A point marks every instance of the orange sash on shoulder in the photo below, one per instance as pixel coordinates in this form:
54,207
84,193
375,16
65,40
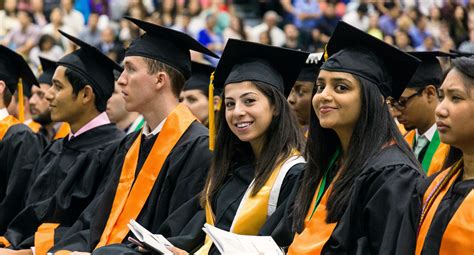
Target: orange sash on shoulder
316,231
457,238
35,126
44,238
131,197
63,131
6,123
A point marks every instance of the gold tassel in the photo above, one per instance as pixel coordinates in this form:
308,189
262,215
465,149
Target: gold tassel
21,106
326,55
212,125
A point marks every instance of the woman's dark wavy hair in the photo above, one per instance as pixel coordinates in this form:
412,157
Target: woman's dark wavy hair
465,67
281,138
374,129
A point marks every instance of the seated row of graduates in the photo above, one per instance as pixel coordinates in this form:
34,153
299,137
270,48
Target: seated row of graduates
360,192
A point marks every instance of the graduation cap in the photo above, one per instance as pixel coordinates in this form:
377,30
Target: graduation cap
429,72
91,64
200,76
48,67
12,68
353,51
309,72
458,54
166,45
249,61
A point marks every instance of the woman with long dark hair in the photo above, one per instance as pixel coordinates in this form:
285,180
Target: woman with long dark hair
257,155
360,171
441,218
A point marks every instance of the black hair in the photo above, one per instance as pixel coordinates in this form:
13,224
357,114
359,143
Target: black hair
374,130
7,96
78,82
281,138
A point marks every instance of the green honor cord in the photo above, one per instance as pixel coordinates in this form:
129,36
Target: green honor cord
434,144
322,187
432,147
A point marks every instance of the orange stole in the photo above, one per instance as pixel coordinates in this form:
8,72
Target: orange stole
316,231
63,131
6,123
129,200
437,162
44,238
35,126
457,238
4,241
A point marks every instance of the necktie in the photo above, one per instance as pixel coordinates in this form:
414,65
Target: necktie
421,142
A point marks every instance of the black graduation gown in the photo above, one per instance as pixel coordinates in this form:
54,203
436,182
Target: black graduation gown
180,180
380,197
228,200
368,226
69,174
19,150
191,237
444,213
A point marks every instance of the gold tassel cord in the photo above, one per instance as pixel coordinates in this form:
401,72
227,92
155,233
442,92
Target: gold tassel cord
326,55
21,106
212,127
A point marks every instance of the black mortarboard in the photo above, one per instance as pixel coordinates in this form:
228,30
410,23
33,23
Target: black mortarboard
200,76
309,72
354,51
429,72
248,61
458,54
166,45
92,65
13,67
48,68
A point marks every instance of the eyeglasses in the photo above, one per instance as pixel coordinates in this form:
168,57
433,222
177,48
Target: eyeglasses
402,103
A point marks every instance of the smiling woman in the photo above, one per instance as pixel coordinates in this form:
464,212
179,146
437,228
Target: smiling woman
258,154
360,172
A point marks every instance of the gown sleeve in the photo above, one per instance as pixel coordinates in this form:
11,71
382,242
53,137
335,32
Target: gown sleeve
372,222
19,151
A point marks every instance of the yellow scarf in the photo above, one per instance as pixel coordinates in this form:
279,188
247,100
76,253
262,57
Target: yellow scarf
254,210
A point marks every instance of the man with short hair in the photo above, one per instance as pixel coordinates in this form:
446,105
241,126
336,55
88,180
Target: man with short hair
28,120
71,171
40,105
416,108
161,168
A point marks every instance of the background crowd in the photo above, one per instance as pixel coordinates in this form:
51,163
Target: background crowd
31,26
